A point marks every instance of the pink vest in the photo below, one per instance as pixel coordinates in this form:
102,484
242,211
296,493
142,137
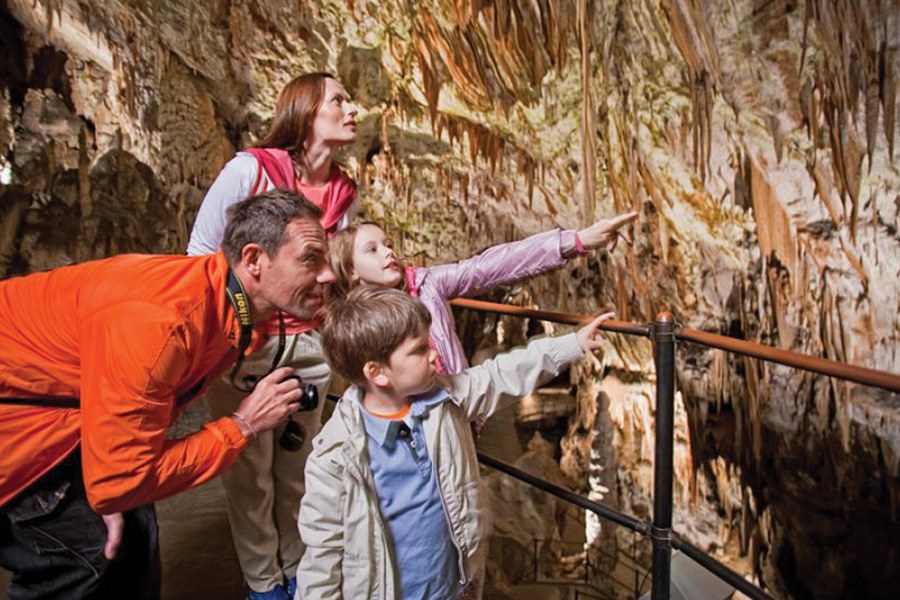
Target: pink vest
278,167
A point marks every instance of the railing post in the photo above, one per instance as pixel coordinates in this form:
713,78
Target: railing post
663,336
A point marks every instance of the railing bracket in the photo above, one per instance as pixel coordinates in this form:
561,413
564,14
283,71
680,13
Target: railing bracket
661,536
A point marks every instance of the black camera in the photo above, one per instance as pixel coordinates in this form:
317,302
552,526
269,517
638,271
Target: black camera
294,435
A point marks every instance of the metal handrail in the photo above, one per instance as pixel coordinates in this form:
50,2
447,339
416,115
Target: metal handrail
664,332
815,364
642,527
824,366
560,492
545,315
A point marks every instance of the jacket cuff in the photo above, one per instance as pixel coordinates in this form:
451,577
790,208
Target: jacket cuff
568,246
568,349
228,431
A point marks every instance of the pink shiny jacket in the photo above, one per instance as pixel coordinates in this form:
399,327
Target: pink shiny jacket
499,265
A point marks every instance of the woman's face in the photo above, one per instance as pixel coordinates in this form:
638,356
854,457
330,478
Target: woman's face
374,260
335,121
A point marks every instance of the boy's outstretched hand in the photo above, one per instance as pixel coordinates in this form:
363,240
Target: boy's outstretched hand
605,232
587,335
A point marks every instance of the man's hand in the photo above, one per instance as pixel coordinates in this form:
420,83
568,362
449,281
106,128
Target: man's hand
605,232
270,403
114,526
587,335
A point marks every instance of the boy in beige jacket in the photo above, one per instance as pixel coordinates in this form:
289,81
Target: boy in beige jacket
394,506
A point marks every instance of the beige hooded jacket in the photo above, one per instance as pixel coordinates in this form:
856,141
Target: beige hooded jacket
348,554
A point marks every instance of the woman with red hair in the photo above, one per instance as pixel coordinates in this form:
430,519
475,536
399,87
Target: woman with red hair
313,118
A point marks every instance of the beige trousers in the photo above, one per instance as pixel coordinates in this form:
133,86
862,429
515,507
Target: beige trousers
263,488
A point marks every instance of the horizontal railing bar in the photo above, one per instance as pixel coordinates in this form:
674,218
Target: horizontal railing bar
555,317
806,362
823,366
718,569
642,527
560,492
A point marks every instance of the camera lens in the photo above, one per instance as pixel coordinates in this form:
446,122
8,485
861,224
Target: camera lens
310,398
292,437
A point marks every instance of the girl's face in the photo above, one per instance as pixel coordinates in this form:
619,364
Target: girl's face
374,260
335,121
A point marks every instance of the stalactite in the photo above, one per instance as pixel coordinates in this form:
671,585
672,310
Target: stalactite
692,35
84,181
889,95
486,144
588,127
856,66
9,226
824,187
873,104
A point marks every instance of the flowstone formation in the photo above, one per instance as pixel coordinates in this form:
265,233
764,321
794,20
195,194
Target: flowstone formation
756,137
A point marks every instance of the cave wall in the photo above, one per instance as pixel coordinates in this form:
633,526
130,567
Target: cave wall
756,137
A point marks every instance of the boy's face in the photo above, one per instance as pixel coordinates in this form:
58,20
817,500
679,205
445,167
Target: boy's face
411,367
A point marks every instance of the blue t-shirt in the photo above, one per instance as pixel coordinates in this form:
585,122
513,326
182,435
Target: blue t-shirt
426,558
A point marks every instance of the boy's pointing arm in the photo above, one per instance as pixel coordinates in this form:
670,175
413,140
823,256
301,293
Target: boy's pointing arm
481,389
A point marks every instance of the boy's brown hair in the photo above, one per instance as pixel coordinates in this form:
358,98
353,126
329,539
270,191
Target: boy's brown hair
368,325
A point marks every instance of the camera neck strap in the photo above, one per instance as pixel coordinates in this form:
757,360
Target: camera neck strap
236,294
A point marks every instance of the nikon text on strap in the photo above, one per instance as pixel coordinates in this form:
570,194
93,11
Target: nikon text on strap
241,303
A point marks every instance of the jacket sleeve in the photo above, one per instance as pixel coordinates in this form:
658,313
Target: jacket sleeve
484,389
231,186
321,528
132,359
350,216
503,264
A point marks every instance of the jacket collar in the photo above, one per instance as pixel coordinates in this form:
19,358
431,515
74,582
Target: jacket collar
384,431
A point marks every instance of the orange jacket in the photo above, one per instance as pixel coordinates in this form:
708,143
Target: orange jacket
135,338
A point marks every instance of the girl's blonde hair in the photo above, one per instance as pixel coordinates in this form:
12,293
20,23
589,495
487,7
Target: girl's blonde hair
340,255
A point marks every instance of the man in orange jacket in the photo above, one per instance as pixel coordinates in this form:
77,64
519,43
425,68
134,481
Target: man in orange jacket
98,360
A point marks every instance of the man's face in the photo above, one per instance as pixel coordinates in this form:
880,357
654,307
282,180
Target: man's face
411,367
297,280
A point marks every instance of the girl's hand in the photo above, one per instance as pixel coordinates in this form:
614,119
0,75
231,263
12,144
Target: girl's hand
605,232
587,335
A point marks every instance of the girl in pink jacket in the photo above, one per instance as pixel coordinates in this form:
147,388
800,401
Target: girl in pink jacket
363,253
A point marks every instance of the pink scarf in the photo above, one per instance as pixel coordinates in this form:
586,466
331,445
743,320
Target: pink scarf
410,274
280,171
341,193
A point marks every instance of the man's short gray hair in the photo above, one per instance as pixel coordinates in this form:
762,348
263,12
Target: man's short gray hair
263,219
